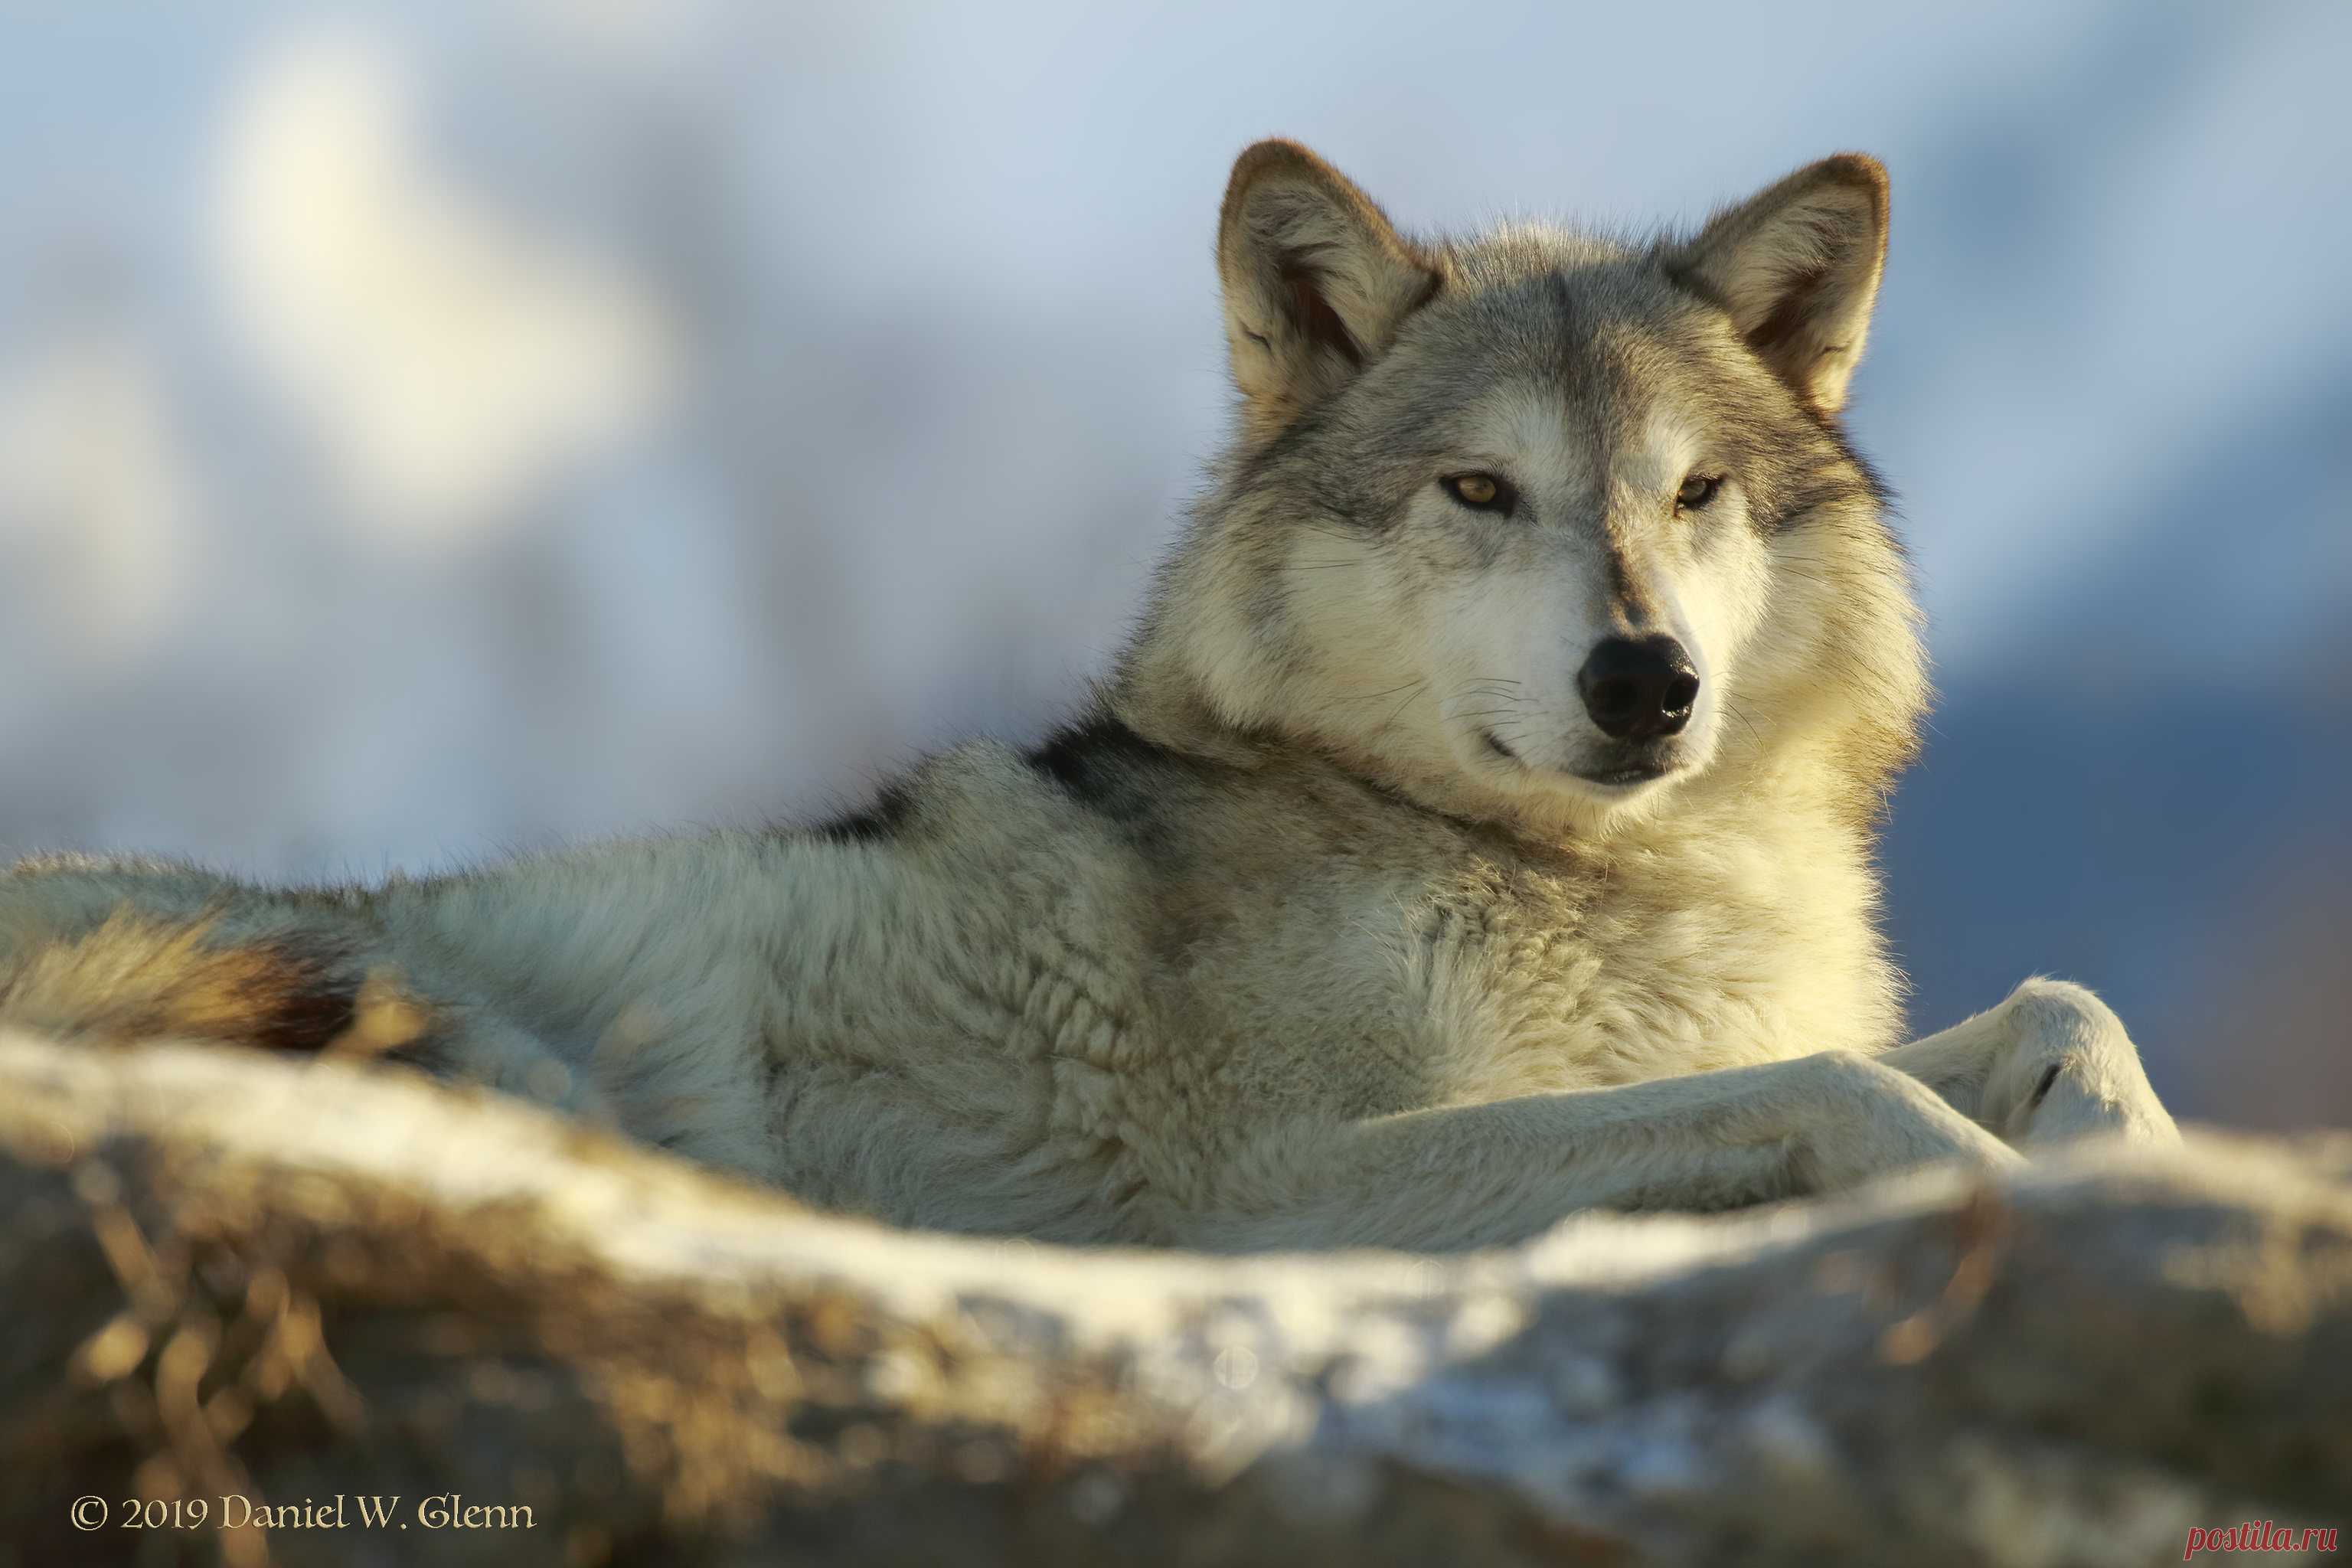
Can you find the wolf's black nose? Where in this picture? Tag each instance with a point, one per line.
(1637, 689)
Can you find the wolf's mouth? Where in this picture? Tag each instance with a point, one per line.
(1624, 776)
(1618, 778)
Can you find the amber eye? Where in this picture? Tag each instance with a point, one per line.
(1696, 491)
(1481, 492)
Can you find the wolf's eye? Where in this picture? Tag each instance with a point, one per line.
(1696, 491)
(1481, 492)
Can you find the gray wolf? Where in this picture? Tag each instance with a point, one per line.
(1477, 829)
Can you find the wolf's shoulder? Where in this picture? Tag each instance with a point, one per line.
(1093, 779)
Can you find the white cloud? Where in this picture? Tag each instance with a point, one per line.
(92, 502)
(445, 355)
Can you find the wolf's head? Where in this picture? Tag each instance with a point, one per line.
(1542, 527)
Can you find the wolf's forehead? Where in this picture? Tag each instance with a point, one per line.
(1606, 319)
(1599, 354)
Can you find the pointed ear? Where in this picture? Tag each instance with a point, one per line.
(1315, 281)
(1798, 266)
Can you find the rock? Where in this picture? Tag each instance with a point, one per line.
(318, 1313)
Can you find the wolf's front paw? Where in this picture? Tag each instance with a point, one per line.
(2071, 1070)
(1881, 1120)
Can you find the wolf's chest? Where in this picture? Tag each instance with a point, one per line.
(1374, 993)
(1526, 983)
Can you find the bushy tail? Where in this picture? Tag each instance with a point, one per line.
(137, 976)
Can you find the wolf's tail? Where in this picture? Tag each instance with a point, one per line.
(140, 976)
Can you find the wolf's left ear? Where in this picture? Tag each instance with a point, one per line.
(1798, 266)
(1316, 279)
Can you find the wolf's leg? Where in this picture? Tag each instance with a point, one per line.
(1478, 1175)
(2050, 1063)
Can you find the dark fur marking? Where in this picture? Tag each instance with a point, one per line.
(314, 1012)
(886, 817)
(1117, 775)
(1850, 479)
(1096, 760)
(1563, 299)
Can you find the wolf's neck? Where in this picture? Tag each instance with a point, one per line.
(1153, 694)
(1803, 779)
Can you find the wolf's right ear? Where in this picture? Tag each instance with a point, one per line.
(1316, 278)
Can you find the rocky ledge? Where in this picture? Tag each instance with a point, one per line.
(258, 1311)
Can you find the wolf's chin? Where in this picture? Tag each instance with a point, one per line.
(1628, 778)
(1621, 789)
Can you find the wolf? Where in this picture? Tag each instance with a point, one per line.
(1478, 828)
